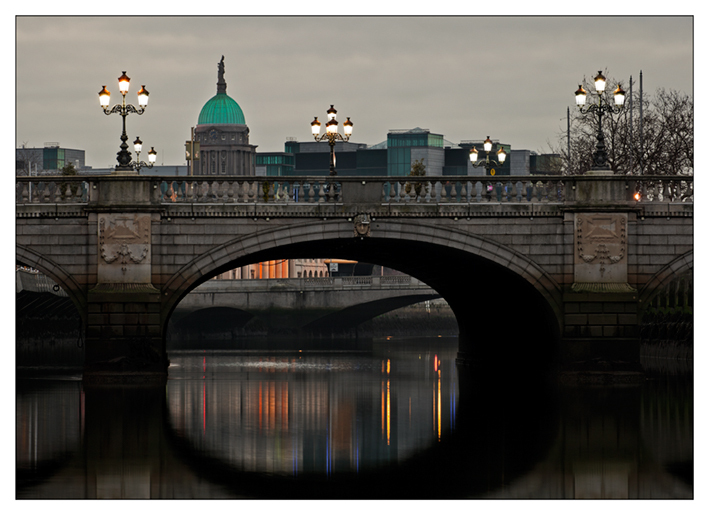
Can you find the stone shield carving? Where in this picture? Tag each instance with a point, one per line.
(124, 248)
(601, 248)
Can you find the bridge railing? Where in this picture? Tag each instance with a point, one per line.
(307, 283)
(287, 190)
(405, 190)
(354, 190)
(53, 190)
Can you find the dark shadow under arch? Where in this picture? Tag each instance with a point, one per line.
(504, 320)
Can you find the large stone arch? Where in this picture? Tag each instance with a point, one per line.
(675, 268)
(520, 277)
(51, 269)
(205, 266)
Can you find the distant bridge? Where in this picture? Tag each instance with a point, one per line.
(313, 304)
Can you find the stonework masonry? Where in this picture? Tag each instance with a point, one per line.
(127, 261)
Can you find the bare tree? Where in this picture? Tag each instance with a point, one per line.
(28, 160)
(662, 143)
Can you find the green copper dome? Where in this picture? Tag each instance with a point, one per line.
(221, 109)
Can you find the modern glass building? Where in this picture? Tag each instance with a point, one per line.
(275, 163)
(406, 146)
(392, 157)
(51, 157)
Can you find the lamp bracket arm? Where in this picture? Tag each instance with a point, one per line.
(132, 109)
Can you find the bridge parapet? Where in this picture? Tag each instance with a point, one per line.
(303, 192)
(393, 282)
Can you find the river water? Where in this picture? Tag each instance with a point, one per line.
(397, 421)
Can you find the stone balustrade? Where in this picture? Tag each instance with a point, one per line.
(353, 190)
(313, 283)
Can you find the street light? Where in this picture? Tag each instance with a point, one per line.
(331, 134)
(124, 158)
(487, 162)
(600, 156)
(138, 164)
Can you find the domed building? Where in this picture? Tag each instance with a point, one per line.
(223, 136)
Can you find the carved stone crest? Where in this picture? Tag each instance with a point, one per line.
(600, 248)
(124, 240)
(362, 226)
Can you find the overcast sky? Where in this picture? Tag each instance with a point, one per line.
(511, 78)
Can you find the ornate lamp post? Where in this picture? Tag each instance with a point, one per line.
(124, 158)
(600, 156)
(152, 156)
(487, 162)
(331, 134)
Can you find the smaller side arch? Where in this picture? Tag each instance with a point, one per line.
(675, 268)
(57, 274)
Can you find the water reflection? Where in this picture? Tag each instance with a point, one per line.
(312, 413)
(400, 422)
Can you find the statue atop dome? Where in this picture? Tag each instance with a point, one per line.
(221, 83)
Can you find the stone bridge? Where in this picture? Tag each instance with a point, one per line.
(536, 269)
(314, 304)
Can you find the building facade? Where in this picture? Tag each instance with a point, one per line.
(47, 160)
(223, 136)
(395, 155)
(280, 269)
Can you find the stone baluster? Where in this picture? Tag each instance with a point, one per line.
(54, 194)
(333, 193)
(321, 191)
(239, 191)
(538, 191)
(20, 193)
(74, 192)
(476, 194)
(464, 192)
(249, 189)
(205, 191)
(277, 191)
(487, 190)
(198, 191)
(393, 187)
(293, 191)
(445, 189)
(688, 192)
(45, 192)
(177, 191)
(673, 187)
(189, 191)
(195, 192)
(220, 188)
(170, 190)
(309, 188)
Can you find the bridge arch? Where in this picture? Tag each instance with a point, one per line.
(677, 267)
(31, 258)
(459, 265)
